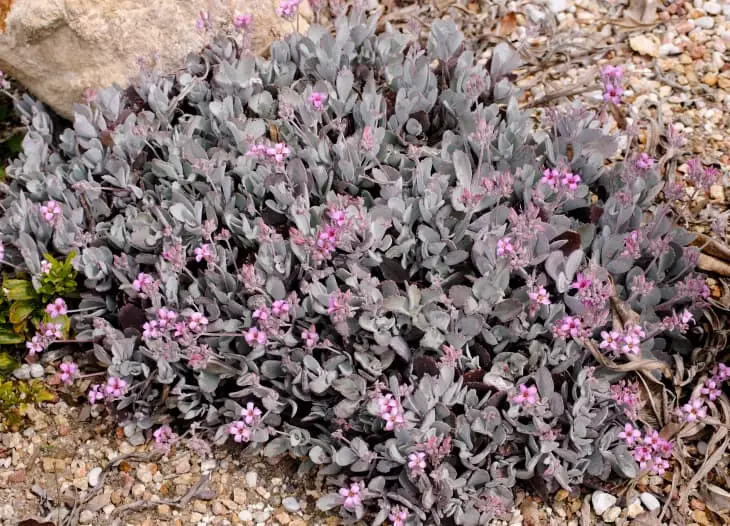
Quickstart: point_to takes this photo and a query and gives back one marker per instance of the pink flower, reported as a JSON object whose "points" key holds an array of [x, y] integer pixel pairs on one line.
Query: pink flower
{"points": [[352, 496], [151, 330], [631, 345], [570, 181], [203, 22], [280, 308], [398, 516], [711, 389], [643, 455], [539, 296], [550, 177], [610, 340], [338, 306], [504, 247], [338, 217], [367, 141], [653, 440], [243, 21], [166, 318], [115, 387], [569, 326], [163, 436], [317, 100], [287, 8], [36, 345], [659, 465], [310, 337], [251, 414], [196, 322], [279, 153], [255, 336], [204, 252], [612, 93], [630, 435], [45, 265], [643, 161], [95, 394], [417, 463], [69, 370], [391, 412], [636, 331], [582, 282], [142, 282], [327, 239], [694, 410], [526, 396], [722, 372], [57, 308], [612, 72], [51, 211], [240, 431], [261, 314], [52, 331]]}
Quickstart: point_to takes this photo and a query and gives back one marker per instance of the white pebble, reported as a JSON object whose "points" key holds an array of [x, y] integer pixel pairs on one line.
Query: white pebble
{"points": [[86, 517], [36, 370], [611, 514], [669, 49], [705, 22], [602, 501], [650, 501], [206, 466], [245, 516], [94, 475], [252, 479], [712, 8], [291, 504]]}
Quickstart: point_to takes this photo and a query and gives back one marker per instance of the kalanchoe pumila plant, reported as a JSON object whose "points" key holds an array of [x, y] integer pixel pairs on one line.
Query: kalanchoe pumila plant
{"points": [[362, 253]]}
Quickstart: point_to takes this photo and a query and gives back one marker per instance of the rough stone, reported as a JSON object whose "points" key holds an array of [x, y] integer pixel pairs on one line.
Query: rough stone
{"points": [[635, 509], [245, 516], [291, 504], [93, 476], [86, 516], [60, 48], [251, 479], [705, 22], [611, 514], [36, 370], [650, 501], [602, 501], [138, 490]]}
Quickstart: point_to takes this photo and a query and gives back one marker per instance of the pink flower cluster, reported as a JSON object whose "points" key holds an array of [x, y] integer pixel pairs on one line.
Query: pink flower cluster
{"points": [[269, 320], [678, 322], [57, 308], [164, 437], [167, 325], [47, 334], [69, 370], [560, 179], [649, 450], [112, 389], [391, 411], [417, 463], [632, 244], [51, 212], [527, 396], [204, 252], [318, 100], [627, 395], [398, 515], [539, 296], [310, 337], [696, 409], [436, 448], [643, 161], [570, 327], [144, 283], [701, 178], [278, 153], [693, 287], [352, 495], [243, 21], [339, 306], [611, 77], [628, 342], [241, 429]]}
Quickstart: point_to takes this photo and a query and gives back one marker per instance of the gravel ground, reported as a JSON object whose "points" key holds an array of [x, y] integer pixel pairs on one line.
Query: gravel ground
{"points": [[678, 70]]}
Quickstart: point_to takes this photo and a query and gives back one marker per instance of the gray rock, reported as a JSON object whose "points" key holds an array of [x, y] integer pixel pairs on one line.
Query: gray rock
{"points": [[36, 370], [22, 372], [291, 504], [602, 501], [99, 502], [650, 501]]}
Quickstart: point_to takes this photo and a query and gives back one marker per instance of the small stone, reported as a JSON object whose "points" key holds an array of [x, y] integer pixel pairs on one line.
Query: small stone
{"points": [[645, 45], [262, 516], [710, 79], [206, 466], [602, 501], [36, 370], [195, 517], [49, 464], [108, 509], [700, 517], [245, 516], [182, 466], [144, 474], [117, 497], [22, 372], [705, 22], [291, 504], [86, 516], [668, 50], [611, 514], [200, 507], [650, 501], [138, 490], [282, 518], [712, 8], [163, 509], [635, 509], [93, 477], [685, 27], [218, 508], [99, 502], [558, 6], [239, 496], [252, 479]]}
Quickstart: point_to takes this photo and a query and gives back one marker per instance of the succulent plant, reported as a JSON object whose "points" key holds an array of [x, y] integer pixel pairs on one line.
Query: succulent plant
{"points": [[362, 253]]}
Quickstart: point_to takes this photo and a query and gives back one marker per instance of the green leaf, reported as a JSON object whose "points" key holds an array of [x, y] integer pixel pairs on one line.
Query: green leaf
{"points": [[8, 337], [7, 363], [19, 289], [20, 311]]}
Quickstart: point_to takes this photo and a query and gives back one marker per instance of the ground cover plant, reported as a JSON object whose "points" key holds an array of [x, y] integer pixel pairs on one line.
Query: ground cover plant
{"points": [[362, 253]]}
